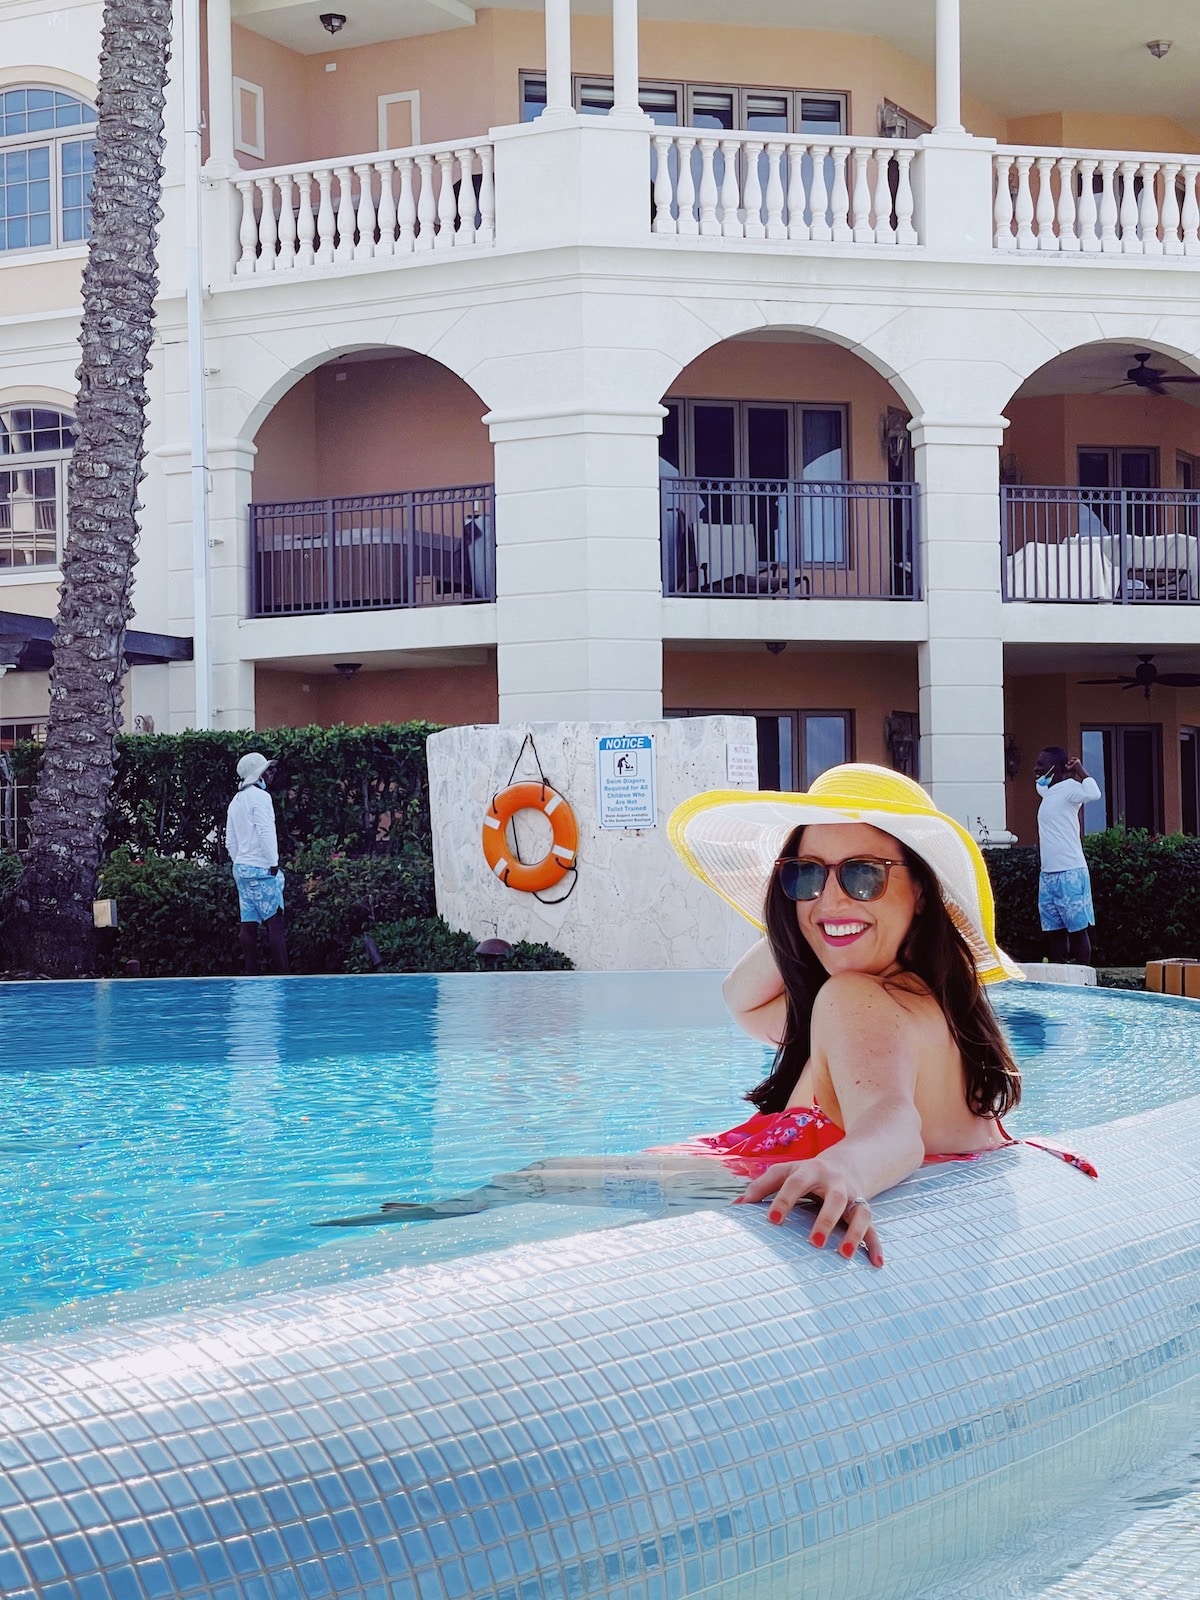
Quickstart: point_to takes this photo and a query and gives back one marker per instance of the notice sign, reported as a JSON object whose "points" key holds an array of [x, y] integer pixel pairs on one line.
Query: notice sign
{"points": [[741, 763], [625, 787]]}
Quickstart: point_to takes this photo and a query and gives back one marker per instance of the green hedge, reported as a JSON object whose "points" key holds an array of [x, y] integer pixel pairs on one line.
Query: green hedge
{"points": [[1146, 891], [179, 918], [361, 790], [427, 944]]}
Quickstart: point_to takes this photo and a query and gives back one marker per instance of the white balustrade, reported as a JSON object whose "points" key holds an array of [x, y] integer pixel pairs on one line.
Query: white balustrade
{"points": [[743, 186], [1097, 202], [391, 203]]}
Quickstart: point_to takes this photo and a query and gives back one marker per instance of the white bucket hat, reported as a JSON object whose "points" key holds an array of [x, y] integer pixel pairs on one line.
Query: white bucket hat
{"points": [[251, 768], [731, 840]]}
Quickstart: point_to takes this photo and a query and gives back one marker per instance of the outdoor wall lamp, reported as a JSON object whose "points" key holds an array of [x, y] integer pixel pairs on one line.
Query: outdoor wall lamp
{"points": [[1159, 47], [332, 21], [1012, 756], [346, 669], [776, 646]]}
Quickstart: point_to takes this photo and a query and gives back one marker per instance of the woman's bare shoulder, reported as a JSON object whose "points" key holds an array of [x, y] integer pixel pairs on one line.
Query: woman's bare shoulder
{"points": [[861, 997]]}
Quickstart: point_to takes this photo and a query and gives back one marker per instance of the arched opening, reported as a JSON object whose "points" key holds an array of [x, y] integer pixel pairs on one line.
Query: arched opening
{"points": [[373, 494], [786, 470], [786, 475], [1100, 482], [45, 168]]}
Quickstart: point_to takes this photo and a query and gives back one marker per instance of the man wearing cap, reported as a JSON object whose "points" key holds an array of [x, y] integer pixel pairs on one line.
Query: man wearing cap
{"points": [[253, 848]]}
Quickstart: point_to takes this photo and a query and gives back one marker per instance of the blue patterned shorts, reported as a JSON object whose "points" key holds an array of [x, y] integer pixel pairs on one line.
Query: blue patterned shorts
{"points": [[1065, 900], [260, 895]]}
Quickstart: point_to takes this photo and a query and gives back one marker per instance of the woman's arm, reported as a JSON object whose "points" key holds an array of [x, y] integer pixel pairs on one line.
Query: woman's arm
{"points": [[754, 994], [871, 1046]]}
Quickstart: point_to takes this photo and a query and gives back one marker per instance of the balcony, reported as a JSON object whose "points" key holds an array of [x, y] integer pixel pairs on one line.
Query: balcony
{"points": [[422, 547], [1096, 202], [1128, 546], [789, 540]]}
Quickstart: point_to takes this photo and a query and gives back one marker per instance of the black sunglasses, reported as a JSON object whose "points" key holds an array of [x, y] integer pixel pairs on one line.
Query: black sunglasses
{"points": [[862, 877]]}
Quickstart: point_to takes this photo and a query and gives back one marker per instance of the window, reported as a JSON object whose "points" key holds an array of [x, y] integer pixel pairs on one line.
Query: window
{"points": [[45, 169], [1189, 779], [794, 747], [693, 105], [14, 732], [1126, 761], [768, 445], [35, 446]]}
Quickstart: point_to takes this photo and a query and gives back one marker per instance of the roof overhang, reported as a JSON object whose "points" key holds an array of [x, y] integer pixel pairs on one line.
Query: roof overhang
{"points": [[27, 645]]}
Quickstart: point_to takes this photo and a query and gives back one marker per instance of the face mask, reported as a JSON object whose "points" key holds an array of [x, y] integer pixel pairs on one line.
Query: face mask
{"points": [[1044, 783]]}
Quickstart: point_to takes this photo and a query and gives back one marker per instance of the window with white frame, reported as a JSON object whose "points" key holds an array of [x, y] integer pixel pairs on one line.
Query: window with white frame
{"points": [[45, 169], [704, 105], [35, 447]]}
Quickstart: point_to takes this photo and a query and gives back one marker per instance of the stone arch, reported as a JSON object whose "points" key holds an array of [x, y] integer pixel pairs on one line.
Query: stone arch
{"points": [[1142, 333], [298, 364], [700, 337], [372, 419]]}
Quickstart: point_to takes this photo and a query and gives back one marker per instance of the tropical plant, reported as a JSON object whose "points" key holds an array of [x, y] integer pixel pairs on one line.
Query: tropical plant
{"points": [[120, 280]]}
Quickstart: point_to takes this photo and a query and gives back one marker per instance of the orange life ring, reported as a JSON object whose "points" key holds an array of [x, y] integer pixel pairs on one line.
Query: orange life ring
{"points": [[530, 876]]}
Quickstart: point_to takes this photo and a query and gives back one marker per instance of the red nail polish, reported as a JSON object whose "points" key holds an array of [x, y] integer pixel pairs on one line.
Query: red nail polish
{"points": [[847, 1250], [819, 1240], [774, 1216]]}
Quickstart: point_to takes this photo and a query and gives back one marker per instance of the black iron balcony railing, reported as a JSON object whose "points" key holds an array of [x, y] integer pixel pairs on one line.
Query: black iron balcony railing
{"points": [[420, 547], [1132, 546], [788, 540]]}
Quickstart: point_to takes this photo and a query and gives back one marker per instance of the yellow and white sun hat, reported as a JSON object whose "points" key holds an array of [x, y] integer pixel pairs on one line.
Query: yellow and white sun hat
{"points": [[731, 839]]}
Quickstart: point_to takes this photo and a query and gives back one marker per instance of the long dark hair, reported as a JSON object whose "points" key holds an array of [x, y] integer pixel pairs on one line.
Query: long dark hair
{"points": [[935, 952]]}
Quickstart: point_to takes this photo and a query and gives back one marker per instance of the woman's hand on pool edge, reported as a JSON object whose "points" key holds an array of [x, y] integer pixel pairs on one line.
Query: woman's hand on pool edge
{"points": [[792, 1182]]}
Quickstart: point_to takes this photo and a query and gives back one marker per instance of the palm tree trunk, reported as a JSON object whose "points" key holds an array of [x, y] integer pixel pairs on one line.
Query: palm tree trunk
{"points": [[120, 280]]}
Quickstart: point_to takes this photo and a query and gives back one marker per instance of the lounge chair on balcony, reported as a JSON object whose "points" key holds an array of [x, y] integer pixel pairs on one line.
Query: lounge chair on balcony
{"points": [[1076, 569]]}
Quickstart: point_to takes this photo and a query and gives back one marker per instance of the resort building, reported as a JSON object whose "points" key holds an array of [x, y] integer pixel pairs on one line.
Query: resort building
{"points": [[833, 364]]}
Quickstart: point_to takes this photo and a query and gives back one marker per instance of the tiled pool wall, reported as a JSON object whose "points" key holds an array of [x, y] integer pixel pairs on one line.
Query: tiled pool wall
{"points": [[700, 1406]]}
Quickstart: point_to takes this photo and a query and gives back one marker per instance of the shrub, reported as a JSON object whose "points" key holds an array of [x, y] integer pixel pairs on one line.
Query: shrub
{"points": [[1146, 891], [364, 789], [179, 918], [427, 944]]}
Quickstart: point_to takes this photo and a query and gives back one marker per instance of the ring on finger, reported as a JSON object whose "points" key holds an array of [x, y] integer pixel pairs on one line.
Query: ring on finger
{"points": [[853, 1205]]}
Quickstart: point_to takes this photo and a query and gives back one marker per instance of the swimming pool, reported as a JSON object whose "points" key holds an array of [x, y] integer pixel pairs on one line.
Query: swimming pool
{"points": [[155, 1135], [697, 1405]]}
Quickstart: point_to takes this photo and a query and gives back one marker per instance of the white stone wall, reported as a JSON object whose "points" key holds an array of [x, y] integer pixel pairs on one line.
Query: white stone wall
{"points": [[634, 906]]}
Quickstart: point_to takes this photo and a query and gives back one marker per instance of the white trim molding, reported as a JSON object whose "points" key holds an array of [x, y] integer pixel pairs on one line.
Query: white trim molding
{"points": [[409, 97], [254, 142]]}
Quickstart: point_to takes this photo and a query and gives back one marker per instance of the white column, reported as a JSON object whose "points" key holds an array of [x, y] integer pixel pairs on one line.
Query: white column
{"points": [[961, 664], [559, 100], [625, 58], [221, 160], [948, 67], [578, 563]]}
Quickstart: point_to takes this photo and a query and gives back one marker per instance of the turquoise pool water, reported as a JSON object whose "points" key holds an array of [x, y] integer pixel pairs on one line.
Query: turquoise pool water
{"points": [[156, 1136]]}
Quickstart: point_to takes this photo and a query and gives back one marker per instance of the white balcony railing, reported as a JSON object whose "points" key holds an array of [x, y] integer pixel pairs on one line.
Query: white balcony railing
{"points": [[354, 208], [753, 186], [1098, 202]]}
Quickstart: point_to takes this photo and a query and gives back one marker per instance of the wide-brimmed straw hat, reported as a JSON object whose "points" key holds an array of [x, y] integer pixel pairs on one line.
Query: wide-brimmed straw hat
{"points": [[731, 840]]}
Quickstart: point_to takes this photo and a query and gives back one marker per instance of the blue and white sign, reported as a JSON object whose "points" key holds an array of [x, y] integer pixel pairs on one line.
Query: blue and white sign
{"points": [[625, 784]]}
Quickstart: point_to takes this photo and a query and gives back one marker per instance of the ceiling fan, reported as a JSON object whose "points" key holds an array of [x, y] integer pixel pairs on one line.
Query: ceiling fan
{"points": [[1153, 379], [1146, 675]]}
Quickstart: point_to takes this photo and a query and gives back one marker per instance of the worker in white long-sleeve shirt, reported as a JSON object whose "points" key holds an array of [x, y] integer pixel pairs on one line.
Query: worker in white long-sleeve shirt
{"points": [[253, 847]]}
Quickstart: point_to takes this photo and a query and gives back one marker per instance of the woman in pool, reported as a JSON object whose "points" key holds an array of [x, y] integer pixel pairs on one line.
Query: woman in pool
{"points": [[879, 935], [869, 984]]}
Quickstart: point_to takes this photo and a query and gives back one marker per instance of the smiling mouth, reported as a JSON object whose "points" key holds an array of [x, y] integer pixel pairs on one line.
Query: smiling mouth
{"points": [[843, 932]]}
